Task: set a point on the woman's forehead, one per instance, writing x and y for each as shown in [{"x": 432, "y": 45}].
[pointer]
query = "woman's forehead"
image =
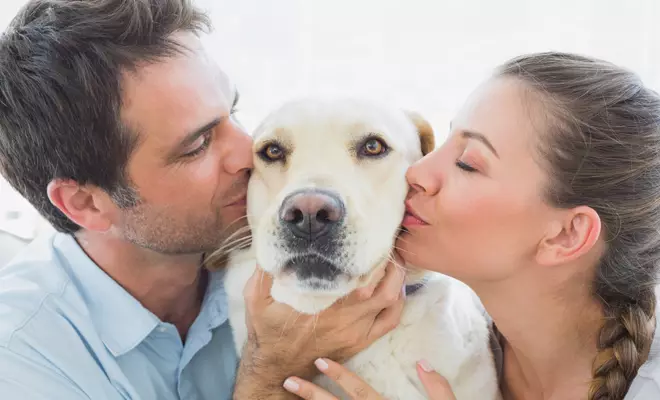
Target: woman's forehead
[{"x": 501, "y": 110}]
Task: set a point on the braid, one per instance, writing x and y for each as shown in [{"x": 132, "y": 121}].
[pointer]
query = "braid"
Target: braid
[
  {"x": 623, "y": 346},
  {"x": 601, "y": 148}
]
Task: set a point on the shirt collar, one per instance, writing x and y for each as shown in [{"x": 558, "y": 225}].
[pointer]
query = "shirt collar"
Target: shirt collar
[
  {"x": 121, "y": 321},
  {"x": 214, "y": 306}
]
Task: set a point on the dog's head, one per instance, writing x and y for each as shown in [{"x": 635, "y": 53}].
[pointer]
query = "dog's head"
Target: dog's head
[{"x": 327, "y": 193}]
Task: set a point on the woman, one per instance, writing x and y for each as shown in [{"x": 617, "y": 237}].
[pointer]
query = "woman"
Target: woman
[{"x": 551, "y": 171}]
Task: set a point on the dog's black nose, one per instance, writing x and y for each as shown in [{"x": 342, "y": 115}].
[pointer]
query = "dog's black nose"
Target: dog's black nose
[{"x": 311, "y": 213}]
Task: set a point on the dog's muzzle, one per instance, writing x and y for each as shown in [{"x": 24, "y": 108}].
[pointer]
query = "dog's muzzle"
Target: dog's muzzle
[
  {"x": 309, "y": 214},
  {"x": 311, "y": 220}
]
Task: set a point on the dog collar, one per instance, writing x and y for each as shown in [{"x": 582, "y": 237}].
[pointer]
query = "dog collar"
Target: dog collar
[{"x": 412, "y": 289}]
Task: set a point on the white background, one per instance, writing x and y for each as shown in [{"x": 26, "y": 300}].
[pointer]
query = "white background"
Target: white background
[{"x": 425, "y": 55}]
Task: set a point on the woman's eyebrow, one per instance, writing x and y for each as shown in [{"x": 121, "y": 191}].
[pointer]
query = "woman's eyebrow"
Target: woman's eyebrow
[
  {"x": 468, "y": 134},
  {"x": 480, "y": 137}
]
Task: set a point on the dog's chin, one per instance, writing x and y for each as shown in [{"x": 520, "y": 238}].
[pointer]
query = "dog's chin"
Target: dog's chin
[
  {"x": 310, "y": 283},
  {"x": 311, "y": 295},
  {"x": 305, "y": 301}
]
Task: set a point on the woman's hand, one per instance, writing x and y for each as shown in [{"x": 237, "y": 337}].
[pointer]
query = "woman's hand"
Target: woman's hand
[{"x": 437, "y": 387}]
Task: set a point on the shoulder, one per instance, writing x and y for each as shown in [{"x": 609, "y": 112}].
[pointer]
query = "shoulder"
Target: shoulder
[
  {"x": 46, "y": 331},
  {"x": 29, "y": 285},
  {"x": 646, "y": 385},
  {"x": 42, "y": 309}
]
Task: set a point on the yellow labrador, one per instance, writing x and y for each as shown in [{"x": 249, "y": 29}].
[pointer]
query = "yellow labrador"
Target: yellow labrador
[{"x": 325, "y": 203}]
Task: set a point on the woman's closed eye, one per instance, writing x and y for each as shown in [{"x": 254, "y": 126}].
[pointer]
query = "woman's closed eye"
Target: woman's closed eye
[
  {"x": 471, "y": 160},
  {"x": 465, "y": 166}
]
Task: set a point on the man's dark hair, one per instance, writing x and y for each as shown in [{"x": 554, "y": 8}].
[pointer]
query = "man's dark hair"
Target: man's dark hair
[{"x": 61, "y": 66}]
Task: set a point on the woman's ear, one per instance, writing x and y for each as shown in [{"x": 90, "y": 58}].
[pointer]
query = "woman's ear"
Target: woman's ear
[
  {"x": 573, "y": 234},
  {"x": 426, "y": 136}
]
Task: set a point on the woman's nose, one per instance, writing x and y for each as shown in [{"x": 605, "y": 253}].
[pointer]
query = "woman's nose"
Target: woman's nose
[{"x": 424, "y": 175}]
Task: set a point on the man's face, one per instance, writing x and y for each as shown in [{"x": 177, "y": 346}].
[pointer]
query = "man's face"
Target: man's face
[{"x": 191, "y": 166}]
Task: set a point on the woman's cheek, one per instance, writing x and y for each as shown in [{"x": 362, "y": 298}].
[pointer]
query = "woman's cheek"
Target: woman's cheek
[{"x": 463, "y": 207}]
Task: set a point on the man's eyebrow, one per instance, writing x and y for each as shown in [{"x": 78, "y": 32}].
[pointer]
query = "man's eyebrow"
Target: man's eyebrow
[
  {"x": 477, "y": 136},
  {"x": 191, "y": 137}
]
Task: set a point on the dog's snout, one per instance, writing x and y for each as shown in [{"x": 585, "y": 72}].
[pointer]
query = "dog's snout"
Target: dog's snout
[{"x": 311, "y": 213}]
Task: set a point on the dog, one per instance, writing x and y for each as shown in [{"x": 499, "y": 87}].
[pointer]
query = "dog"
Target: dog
[{"x": 325, "y": 204}]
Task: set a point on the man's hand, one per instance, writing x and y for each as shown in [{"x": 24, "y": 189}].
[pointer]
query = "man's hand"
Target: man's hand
[{"x": 282, "y": 342}]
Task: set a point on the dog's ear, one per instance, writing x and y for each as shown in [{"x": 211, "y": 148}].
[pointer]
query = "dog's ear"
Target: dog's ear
[{"x": 426, "y": 137}]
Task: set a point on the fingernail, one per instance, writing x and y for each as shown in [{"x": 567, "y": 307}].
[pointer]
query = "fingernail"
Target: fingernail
[
  {"x": 321, "y": 364},
  {"x": 425, "y": 366},
  {"x": 291, "y": 385}
]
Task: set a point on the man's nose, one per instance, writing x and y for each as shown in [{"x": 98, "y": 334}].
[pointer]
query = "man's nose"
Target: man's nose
[{"x": 238, "y": 156}]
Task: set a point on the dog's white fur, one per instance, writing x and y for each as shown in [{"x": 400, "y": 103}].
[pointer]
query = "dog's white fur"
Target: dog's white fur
[{"x": 442, "y": 323}]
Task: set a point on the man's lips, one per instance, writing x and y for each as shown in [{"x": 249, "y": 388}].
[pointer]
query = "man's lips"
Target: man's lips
[
  {"x": 239, "y": 190},
  {"x": 238, "y": 201},
  {"x": 410, "y": 218}
]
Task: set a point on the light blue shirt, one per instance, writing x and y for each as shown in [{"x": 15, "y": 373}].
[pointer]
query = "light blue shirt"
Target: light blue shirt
[{"x": 68, "y": 332}]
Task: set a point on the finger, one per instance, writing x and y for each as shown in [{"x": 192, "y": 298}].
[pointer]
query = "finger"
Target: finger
[
  {"x": 353, "y": 385},
  {"x": 436, "y": 386},
  {"x": 398, "y": 260},
  {"x": 257, "y": 289},
  {"x": 389, "y": 289},
  {"x": 306, "y": 390},
  {"x": 364, "y": 293},
  {"x": 387, "y": 320}
]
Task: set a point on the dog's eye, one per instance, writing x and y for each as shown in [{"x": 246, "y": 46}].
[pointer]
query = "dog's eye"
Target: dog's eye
[
  {"x": 272, "y": 152},
  {"x": 373, "y": 147}
]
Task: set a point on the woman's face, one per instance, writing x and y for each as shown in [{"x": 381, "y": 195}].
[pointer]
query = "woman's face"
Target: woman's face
[{"x": 476, "y": 209}]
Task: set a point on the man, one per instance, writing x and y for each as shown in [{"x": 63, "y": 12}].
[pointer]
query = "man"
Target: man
[{"x": 119, "y": 129}]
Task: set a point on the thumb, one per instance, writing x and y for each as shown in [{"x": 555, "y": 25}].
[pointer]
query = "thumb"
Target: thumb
[
  {"x": 436, "y": 386},
  {"x": 257, "y": 289}
]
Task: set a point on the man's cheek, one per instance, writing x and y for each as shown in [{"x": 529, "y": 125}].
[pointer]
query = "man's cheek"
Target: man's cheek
[{"x": 205, "y": 172}]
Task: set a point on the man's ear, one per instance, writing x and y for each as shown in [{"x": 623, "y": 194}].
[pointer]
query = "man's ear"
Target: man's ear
[
  {"x": 572, "y": 235},
  {"x": 87, "y": 206},
  {"x": 426, "y": 136}
]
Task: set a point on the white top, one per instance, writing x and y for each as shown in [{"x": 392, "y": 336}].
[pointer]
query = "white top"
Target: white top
[{"x": 645, "y": 386}]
